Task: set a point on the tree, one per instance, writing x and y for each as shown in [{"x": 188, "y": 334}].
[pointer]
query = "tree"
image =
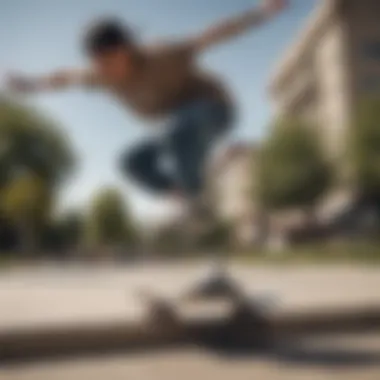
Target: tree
[
  {"x": 31, "y": 143},
  {"x": 167, "y": 240},
  {"x": 71, "y": 228},
  {"x": 27, "y": 201},
  {"x": 364, "y": 149},
  {"x": 108, "y": 223},
  {"x": 35, "y": 157},
  {"x": 291, "y": 169},
  {"x": 66, "y": 232},
  {"x": 218, "y": 237}
]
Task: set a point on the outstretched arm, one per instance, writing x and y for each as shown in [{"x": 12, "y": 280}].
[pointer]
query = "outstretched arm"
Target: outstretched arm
[
  {"x": 235, "y": 26},
  {"x": 56, "y": 81}
]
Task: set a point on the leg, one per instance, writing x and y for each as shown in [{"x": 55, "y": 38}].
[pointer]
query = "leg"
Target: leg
[
  {"x": 143, "y": 165},
  {"x": 195, "y": 132}
]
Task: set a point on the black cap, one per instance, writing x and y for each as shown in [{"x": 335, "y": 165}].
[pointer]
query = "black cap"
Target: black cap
[{"x": 105, "y": 34}]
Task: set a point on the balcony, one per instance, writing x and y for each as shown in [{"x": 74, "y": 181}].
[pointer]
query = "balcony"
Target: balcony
[{"x": 302, "y": 90}]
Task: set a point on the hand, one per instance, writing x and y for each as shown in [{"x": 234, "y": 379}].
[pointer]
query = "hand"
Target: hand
[
  {"x": 273, "y": 7},
  {"x": 19, "y": 83}
]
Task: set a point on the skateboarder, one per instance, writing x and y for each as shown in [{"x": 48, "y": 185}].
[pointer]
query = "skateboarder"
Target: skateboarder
[{"x": 158, "y": 82}]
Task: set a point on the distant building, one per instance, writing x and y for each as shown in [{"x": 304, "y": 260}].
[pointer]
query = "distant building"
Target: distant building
[
  {"x": 233, "y": 191},
  {"x": 332, "y": 64}
]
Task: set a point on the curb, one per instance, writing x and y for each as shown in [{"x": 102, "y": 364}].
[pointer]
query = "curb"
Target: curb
[{"x": 243, "y": 327}]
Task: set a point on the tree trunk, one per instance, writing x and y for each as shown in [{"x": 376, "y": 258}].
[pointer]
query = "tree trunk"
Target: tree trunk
[{"x": 27, "y": 238}]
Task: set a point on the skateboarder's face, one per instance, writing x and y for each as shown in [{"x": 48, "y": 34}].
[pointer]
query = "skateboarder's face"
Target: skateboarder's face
[{"x": 115, "y": 65}]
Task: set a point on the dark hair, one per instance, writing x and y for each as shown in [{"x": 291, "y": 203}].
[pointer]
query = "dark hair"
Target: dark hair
[{"x": 104, "y": 35}]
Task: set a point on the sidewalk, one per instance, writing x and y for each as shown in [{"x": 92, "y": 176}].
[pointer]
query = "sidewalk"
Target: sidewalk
[
  {"x": 344, "y": 357},
  {"x": 88, "y": 306}
]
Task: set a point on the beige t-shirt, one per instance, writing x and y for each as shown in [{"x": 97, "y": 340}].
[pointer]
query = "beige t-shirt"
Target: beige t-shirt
[{"x": 169, "y": 77}]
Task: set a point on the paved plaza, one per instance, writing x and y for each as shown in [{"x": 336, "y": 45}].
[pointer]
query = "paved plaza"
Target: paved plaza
[
  {"x": 54, "y": 295},
  {"x": 348, "y": 357}
]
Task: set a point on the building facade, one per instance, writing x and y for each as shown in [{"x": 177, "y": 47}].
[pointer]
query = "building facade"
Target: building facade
[
  {"x": 334, "y": 62},
  {"x": 233, "y": 191}
]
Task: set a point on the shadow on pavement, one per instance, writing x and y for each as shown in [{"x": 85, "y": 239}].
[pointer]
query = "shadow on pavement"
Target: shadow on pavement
[{"x": 304, "y": 354}]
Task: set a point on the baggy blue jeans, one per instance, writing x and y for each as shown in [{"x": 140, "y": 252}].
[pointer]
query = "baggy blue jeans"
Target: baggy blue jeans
[{"x": 189, "y": 140}]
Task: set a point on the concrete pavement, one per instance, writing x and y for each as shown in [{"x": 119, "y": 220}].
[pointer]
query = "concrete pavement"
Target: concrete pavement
[
  {"x": 44, "y": 300},
  {"x": 346, "y": 357},
  {"x": 47, "y": 296}
]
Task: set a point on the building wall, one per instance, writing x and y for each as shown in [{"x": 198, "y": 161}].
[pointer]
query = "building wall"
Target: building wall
[
  {"x": 364, "y": 33},
  {"x": 335, "y": 63},
  {"x": 297, "y": 54},
  {"x": 234, "y": 187},
  {"x": 332, "y": 72},
  {"x": 233, "y": 191}
]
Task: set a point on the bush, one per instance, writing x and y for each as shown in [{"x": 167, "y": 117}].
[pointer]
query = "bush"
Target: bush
[{"x": 292, "y": 171}]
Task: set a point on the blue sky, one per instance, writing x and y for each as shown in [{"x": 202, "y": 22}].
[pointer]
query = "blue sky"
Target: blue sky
[{"x": 38, "y": 36}]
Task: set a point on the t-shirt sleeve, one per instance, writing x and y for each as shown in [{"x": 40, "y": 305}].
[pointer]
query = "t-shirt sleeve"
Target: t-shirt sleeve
[
  {"x": 178, "y": 50},
  {"x": 184, "y": 49}
]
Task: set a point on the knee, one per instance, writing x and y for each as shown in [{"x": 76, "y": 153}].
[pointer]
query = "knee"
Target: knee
[
  {"x": 129, "y": 164},
  {"x": 135, "y": 162}
]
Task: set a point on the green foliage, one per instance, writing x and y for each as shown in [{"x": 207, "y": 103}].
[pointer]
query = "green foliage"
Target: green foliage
[
  {"x": 167, "y": 241},
  {"x": 34, "y": 158},
  {"x": 175, "y": 240},
  {"x": 29, "y": 142},
  {"x": 364, "y": 148},
  {"x": 69, "y": 229},
  {"x": 291, "y": 170},
  {"x": 108, "y": 223},
  {"x": 219, "y": 237},
  {"x": 26, "y": 202},
  {"x": 26, "y": 198}
]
